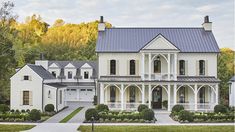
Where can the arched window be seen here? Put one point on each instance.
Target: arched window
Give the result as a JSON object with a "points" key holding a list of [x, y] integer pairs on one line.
{"points": [[49, 94], [157, 66], [112, 94], [132, 67], [112, 67], [132, 94], [182, 67], [202, 67]]}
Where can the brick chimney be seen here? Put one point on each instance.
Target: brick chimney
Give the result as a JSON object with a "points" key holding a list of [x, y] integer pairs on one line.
{"points": [[101, 25], [207, 25]]}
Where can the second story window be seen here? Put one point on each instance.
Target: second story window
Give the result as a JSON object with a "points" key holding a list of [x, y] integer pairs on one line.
{"points": [[70, 75], [182, 67], [86, 75], [112, 67], [26, 78], [202, 67], [132, 67], [53, 73], [157, 66]]}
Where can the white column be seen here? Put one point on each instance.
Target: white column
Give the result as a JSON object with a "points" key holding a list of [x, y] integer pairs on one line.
{"points": [[101, 93], [149, 66], [175, 93], [169, 97], [195, 97], [175, 66], [143, 62], [150, 91], [122, 94], [169, 65], [216, 94], [143, 94]]}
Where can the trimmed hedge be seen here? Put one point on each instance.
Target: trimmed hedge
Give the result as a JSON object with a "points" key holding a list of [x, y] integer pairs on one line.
{"points": [[177, 108], [185, 115], [147, 114], [142, 107], [91, 113], [34, 115], [102, 107], [49, 108], [220, 108]]}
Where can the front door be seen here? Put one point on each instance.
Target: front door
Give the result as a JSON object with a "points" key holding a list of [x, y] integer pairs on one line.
{"points": [[157, 98]]}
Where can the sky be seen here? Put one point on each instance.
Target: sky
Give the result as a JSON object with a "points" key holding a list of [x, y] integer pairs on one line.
{"points": [[138, 13]]}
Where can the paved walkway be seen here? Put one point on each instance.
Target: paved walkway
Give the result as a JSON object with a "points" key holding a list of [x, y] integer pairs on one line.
{"points": [[163, 117]]}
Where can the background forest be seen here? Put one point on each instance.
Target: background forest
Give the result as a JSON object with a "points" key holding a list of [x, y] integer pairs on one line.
{"points": [[22, 43]]}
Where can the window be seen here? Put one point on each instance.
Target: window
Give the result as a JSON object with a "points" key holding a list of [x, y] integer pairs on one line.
{"points": [[60, 96], [202, 67], [157, 66], [83, 90], [112, 94], [89, 89], [86, 75], [132, 67], [25, 97], [70, 74], [113, 67], [26, 77], [73, 89], [53, 73], [182, 95], [132, 94], [182, 67], [49, 94], [202, 95]]}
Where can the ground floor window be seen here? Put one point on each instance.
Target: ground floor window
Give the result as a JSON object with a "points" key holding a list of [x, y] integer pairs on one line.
{"points": [[25, 97], [202, 95]]}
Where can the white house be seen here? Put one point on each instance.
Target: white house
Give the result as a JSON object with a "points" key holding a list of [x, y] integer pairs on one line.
{"points": [[152, 65], [232, 91], [53, 82]]}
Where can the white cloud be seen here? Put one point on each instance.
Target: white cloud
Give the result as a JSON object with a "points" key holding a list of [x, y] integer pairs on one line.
{"points": [[207, 8]]}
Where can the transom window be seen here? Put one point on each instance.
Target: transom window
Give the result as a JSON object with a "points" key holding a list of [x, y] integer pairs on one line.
{"points": [[182, 67], [70, 74], [157, 66], [86, 75], [202, 67], [25, 97], [112, 67], [132, 67], [26, 77], [53, 73]]}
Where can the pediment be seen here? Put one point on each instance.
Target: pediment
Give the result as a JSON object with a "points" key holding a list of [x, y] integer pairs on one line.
{"points": [[69, 65], [54, 65], [160, 43], [85, 66]]}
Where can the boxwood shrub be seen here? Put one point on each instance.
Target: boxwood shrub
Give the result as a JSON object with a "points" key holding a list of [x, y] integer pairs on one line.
{"points": [[147, 114], [91, 113], [220, 108], [34, 115], [49, 108], [102, 107], [185, 115], [4, 108], [177, 108], [142, 107]]}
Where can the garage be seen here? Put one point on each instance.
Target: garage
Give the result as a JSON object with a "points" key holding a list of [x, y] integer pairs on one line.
{"points": [[86, 94], [72, 94]]}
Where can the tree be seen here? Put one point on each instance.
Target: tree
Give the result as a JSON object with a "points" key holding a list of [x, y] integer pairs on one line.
{"points": [[58, 23]]}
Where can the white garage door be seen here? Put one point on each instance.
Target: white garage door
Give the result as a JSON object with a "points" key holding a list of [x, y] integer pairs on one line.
{"points": [[86, 94], [71, 94]]}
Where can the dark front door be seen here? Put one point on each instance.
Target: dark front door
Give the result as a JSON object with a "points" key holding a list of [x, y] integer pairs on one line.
{"points": [[157, 98]]}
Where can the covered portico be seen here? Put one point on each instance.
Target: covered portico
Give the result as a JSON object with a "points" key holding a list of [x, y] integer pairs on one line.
{"points": [[127, 93]]}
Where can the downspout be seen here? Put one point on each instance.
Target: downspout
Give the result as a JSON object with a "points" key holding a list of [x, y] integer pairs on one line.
{"points": [[42, 94], [56, 99]]}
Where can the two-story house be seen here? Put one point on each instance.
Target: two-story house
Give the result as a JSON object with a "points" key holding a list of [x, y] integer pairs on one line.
{"points": [[53, 82], [154, 65]]}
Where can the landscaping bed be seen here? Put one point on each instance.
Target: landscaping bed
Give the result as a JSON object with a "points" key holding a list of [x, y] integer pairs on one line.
{"points": [[102, 114]]}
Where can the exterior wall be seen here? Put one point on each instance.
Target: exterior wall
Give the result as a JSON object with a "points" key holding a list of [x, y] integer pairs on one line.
{"points": [[49, 99], [90, 70], [18, 85], [63, 103], [232, 94], [66, 70], [57, 70]]}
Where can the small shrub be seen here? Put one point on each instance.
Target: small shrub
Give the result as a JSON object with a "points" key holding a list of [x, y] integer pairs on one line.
{"points": [[119, 120], [101, 120], [17, 111], [34, 115], [165, 104], [91, 113], [12, 110], [22, 111], [142, 107], [49, 108], [28, 110], [177, 108], [113, 120], [147, 114], [125, 120], [221, 109], [185, 115], [106, 120], [95, 100], [4, 108], [102, 107]]}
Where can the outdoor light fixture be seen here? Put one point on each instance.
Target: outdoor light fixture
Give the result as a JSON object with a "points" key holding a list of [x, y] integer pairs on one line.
{"points": [[158, 58]]}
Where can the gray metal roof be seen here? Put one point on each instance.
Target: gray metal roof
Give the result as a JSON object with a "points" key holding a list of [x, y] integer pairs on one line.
{"points": [[78, 84], [232, 79], [56, 85], [208, 79], [41, 71], [134, 39]]}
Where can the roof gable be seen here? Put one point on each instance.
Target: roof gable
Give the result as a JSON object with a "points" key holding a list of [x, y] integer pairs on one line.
{"points": [[85, 66], [158, 43], [70, 65], [54, 65]]}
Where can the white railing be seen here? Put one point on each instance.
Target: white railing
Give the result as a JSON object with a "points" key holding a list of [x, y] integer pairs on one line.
{"points": [[131, 106], [114, 105], [188, 106], [159, 76], [200, 106]]}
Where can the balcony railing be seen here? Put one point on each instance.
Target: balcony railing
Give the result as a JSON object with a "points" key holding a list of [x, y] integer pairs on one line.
{"points": [[158, 76]]}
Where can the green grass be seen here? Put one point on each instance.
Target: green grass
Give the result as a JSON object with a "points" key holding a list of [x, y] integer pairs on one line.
{"points": [[158, 128], [71, 115], [15, 128]]}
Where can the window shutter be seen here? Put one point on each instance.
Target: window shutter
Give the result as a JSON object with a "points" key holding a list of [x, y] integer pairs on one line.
{"points": [[117, 67], [30, 98], [186, 67], [136, 67], [197, 67], [178, 67], [128, 67], [206, 67], [108, 67], [21, 97]]}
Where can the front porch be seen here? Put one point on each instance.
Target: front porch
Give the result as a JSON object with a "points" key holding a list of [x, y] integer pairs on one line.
{"points": [[128, 96]]}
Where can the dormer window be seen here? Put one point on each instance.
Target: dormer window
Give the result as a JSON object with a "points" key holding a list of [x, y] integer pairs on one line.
{"points": [[26, 77], [70, 75], [86, 75], [53, 73]]}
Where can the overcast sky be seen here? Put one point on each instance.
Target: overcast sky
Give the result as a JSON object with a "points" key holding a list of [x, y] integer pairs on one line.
{"points": [[138, 13]]}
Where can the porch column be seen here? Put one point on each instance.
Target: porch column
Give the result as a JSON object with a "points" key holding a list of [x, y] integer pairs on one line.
{"points": [[169, 97], [195, 97], [143, 94], [175, 66], [216, 94], [143, 62], [122, 100], [150, 96], [169, 65], [149, 66], [175, 92], [101, 93]]}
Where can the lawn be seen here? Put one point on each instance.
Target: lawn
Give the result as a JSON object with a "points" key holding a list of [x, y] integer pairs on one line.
{"points": [[71, 115], [158, 128], [15, 128]]}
